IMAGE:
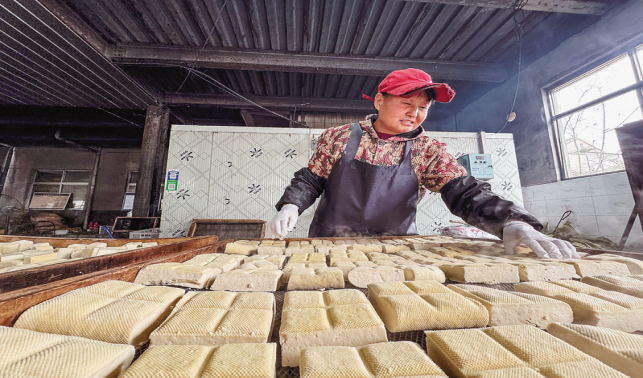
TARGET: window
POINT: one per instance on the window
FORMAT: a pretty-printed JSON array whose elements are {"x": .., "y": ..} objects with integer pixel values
[
  {"x": 74, "y": 182},
  {"x": 130, "y": 190},
  {"x": 587, "y": 110}
]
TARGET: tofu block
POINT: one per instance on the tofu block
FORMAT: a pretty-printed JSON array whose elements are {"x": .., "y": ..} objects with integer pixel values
[
  {"x": 367, "y": 247},
  {"x": 64, "y": 253},
  {"x": 37, "y": 257},
  {"x": 111, "y": 311},
  {"x": 351, "y": 256},
  {"x": 362, "y": 276},
  {"x": 511, "y": 308},
  {"x": 217, "y": 318},
  {"x": 344, "y": 266},
  {"x": 391, "y": 360},
  {"x": 446, "y": 252},
  {"x": 200, "y": 361},
  {"x": 421, "y": 273},
  {"x": 421, "y": 305},
  {"x": 546, "y": 271},
  {"x": 424, "y": 245},
  {"x": 592, "y": 305},
  {"x": 26, "y": 353},
  {"x": 11, "y": 247},
  {"x": 248, "y": 280},
  {"x": 42, "y": 246},
  {"x": 300, "y": 265},
  {"x": 307, "y": 257},
  {"x": 316, "y": 279},
  {"x": 299, "y": 249},
  {"x": 596, "y": 268},
  {"x": 511, "y": 351},
  {"x": 270, "y": 250},
  {"x": 330, "y": 318},
  {"x": 633, "y": 265},
  {"x": 632, "y": 285},
  {"x": 177, "y": 274},
  {"x": 620, "y": 350},
  {"x": 17, "y": 256},
  {"x": 217, "y": 260},
  {"x": 481, "y": 273},
  {"x": 237, "y": 248},
  {"x": 395, "y": 248},
  {"x": 277, "y": 260}
]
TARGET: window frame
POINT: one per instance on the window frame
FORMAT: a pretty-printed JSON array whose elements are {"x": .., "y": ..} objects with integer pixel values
[
  {"x": 630, "y": 49},
  {"x": 61, "y": 183}
]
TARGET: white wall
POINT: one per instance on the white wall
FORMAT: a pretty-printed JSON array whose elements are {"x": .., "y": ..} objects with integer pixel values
[{"x": 601, "y": 205}]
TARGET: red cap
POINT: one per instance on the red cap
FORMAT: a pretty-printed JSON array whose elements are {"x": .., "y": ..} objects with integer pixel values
[{"x": 406, "y": 83}]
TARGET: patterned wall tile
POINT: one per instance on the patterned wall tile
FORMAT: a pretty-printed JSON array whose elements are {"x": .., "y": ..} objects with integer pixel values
[
  {"x": 506, "y": 181},
  {"x": 190, "y": 154},
  {"x": 242, "y": 175}
]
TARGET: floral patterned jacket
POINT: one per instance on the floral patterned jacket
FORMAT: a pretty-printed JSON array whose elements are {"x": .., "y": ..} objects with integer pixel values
[
  {"x": 432, "y": 164},
  {"x": 437, "y": 171}
]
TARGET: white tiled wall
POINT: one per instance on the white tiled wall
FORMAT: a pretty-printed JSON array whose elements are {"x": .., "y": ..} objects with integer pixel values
[{"x": 601, "y": 206}]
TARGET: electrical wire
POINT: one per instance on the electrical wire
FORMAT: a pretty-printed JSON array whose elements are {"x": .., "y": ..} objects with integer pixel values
[
  {"x": 518, "y": 7},
  {"x": 198, "y": 55},
  {"x": 213, "y": 81},
  {"x": 220, "y": 85},
  {"x": 117, "y": 116}
]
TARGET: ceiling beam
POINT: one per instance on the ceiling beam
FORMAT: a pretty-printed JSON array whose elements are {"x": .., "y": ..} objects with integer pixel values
[
  {"x": 589, "y": 7},
  {"x": 302, "y": 62},
  {"x": 271, "y": 102}
]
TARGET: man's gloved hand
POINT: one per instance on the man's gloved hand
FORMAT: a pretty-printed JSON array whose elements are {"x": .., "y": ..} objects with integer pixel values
[
  {"x": 516, "y": 233},
  {"x": 283, "y": 222}
]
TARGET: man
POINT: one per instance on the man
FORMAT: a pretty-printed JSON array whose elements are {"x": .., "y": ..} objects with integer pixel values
[{"x": 371, "y": 176}]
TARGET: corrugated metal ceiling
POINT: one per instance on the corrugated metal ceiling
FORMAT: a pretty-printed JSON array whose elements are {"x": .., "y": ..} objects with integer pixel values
[{"x": 45, "y": 63}]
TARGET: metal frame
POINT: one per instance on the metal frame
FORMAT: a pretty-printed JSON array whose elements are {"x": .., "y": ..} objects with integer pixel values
[{"x": 630, "y": 49}]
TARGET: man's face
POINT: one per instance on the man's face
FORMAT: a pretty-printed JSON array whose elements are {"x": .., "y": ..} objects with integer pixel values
[{"x": 398, "y": 114}]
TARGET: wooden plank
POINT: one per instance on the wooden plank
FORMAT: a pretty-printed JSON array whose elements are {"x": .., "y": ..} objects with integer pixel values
[
  {"x": 57, "y": 242},
  {"x": 21, "y": 279},
  {"x": 14, "y": 303},
  {"x": 589, "y": 7},
  {"x": 157, "y": 122},
  {"x": 201, "y": 224},
  {"x": 258, "y": 60}
]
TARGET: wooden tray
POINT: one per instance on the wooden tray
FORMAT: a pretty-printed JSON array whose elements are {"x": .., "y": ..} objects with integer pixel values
[{"x": 20, "y": 279}]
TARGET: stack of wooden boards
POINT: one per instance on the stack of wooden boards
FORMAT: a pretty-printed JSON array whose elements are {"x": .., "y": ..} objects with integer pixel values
[
  {"x": 25, "y": 254},
  {"x": 471, "y": 330}
]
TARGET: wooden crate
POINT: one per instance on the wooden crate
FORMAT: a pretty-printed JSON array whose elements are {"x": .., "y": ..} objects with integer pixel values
[
  {"x": 229, "y": 228},
  {"x": 25, "y": 278}
]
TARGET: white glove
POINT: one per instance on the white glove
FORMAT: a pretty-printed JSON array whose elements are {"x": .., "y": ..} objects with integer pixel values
[
  {"x": 283, "y": 222},
  {"x": 516, "y": 233}
]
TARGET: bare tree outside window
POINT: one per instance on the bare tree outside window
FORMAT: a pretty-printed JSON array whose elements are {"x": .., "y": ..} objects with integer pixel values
[{"x": 587, "y": 125}]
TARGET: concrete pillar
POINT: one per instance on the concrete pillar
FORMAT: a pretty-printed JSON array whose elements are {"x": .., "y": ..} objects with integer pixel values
[{"x": 157, "y": 124}]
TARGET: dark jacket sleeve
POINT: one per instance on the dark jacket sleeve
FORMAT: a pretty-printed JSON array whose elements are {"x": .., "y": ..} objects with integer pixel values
[
  {"x": 303, "y": 190},
  {"x": 474, "y": 202}
]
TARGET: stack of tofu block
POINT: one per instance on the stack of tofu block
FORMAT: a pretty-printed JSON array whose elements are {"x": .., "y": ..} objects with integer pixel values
[
  {"x": 25, "y": 254},
  {"x": 328, "y": 329}
]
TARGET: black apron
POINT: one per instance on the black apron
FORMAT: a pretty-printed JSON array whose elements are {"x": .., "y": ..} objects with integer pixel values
[{"x": 362, "y": 199}]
